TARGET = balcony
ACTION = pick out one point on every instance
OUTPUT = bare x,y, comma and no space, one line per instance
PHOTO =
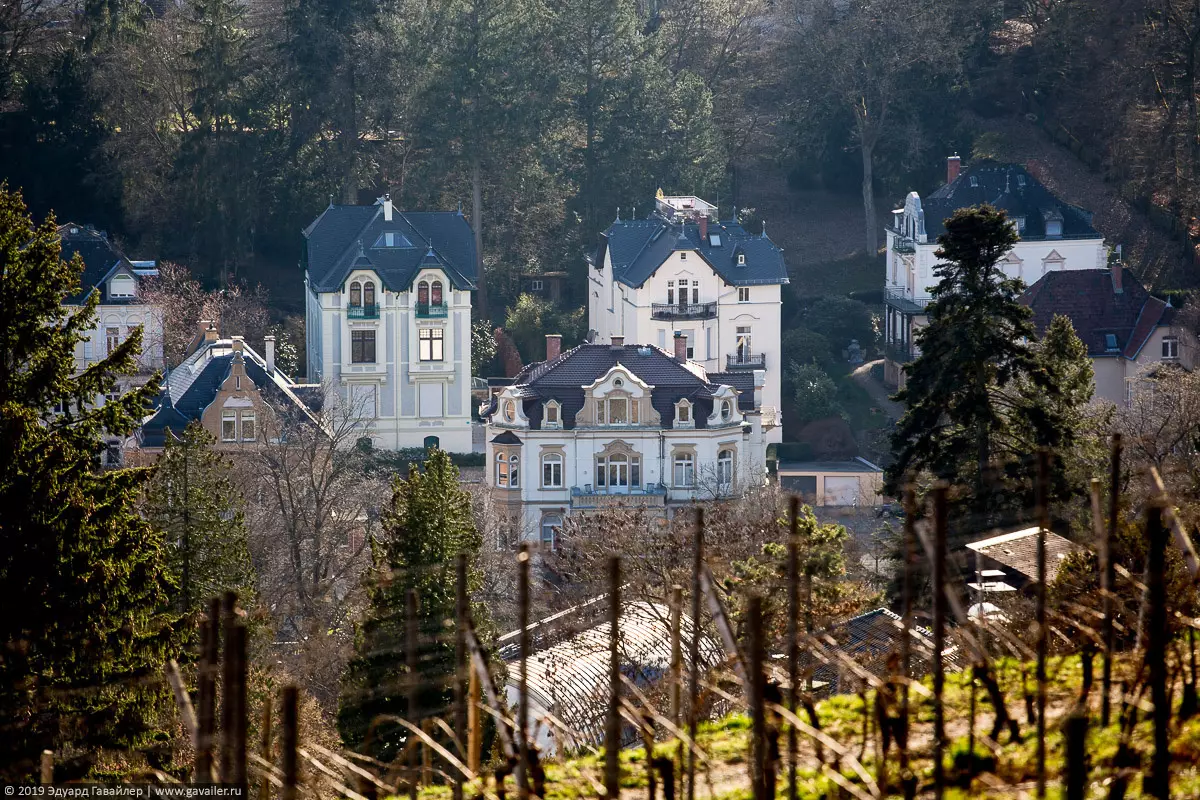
431,310
746,361
654,495
669,311
904,245
900,300
362,312
899,353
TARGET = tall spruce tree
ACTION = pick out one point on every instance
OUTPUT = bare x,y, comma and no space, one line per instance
193,500
84,573
960,419
427,525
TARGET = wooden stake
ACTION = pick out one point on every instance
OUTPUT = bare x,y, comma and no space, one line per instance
461,726
264,747
939,637
793,636
206,694
1075,754
474,731
910,546
289,723
676,680
229,690
694,653
1108,577
1156,651
758,717
523,673
411,712
1043,512
47,768
612,734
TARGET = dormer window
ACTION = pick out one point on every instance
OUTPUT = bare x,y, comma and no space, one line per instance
369,293
974,180
1020,223
741,259
423,293
356,294
392,239
510,411
726,411
122,286
683,415
616,411
552,416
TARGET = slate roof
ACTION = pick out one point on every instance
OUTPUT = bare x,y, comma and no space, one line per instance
568,669
1088,299
564,377
639,246
1018,551
100,259
343,238
1009,187
192,386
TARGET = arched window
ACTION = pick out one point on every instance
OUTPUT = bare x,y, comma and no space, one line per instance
432,443
552,471
436,299
551,527
356,294
514,475
617,472
501,469
369,293
422,293
725,470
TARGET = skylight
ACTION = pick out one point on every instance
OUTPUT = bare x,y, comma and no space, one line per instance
392,239
1110,341
714,239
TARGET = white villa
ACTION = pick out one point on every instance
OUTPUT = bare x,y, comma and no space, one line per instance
620,424
1054,236
388,320
681,271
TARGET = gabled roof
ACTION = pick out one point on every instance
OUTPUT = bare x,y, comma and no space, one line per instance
1018,551
564,377
343,238
101,258
1097,311
192,386
1009,187
638,248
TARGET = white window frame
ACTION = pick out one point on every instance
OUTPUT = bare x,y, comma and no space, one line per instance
552,468
725,470
229,426
683,471
535,286
555,527
1170,348
502,469
682,408
552,406
743,294
436,349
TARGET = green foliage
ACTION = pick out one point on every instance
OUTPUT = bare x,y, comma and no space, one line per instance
483,347
814,391
805,346
841,319
192,499
87,574
428,523
532,317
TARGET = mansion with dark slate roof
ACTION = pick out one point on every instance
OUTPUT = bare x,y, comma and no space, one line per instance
682,271
1054,237
388,320
620,424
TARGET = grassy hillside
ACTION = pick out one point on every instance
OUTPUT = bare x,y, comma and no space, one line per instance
1002,772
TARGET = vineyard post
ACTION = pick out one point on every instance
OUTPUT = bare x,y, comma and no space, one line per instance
939,636
461,728
523,672
1107,577
289,714
694,653
1156,650
410,659
612,737
793,635
1043,522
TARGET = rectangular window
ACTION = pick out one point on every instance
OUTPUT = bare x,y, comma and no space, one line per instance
535,286
743,294
685,470
228,426
618,411
430,346
552,472
670,293
683,256
635,472
601,473
248,431
1170,347
362,347
113,338
695,292
600,408
552,414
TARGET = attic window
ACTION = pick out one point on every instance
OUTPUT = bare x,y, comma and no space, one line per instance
1110,342
1020,223
974,180
122,286
741,259
683,256
714,239
1020,180
392,239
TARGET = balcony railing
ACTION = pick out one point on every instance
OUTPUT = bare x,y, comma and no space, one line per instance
601,497
431,309
683,311
362,312
904,245
746,361
900,300
899,353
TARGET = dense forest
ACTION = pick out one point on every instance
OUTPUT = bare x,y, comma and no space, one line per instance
209,132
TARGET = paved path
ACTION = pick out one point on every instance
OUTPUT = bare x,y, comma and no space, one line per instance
879,393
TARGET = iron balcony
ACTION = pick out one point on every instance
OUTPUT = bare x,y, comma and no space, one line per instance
362,312
669,311
746,361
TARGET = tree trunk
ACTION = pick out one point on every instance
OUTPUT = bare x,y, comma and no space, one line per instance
477,224
868,193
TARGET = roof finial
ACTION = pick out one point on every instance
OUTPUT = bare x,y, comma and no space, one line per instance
764,230
633,216
361,252
659,194
618,213
331,200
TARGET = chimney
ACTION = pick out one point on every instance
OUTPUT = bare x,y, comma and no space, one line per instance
386,201
269,341
210,331
238,344
618,342
953,164
703,227
553,345
680,347
1118,270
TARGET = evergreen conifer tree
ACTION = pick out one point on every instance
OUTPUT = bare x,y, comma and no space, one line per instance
193,500
960,418
427,525
84,573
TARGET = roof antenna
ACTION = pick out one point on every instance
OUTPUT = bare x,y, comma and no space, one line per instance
764,231
618,213
331,200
